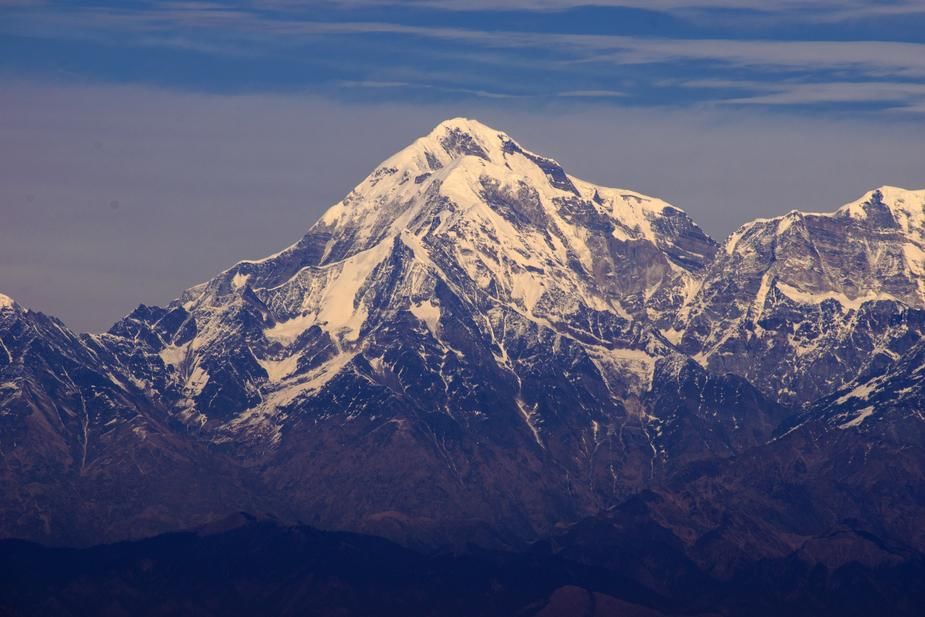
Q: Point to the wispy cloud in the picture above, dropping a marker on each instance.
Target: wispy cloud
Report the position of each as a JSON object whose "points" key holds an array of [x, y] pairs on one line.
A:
{"points": [[376, 85], [897, 57], [903, 58], [591, 93], [896, 96], [903, 95], [795, 9], [474, 58]]}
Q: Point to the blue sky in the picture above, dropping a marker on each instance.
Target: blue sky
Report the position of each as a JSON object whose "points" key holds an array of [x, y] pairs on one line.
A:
{"points": [[820, 55], [145, 146]]}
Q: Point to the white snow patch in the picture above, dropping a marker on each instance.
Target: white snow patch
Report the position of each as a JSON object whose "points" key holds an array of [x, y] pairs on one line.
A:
{"points": [[634, 366], [863, 414], [673, 335], [342, 319], [429, 313], [908, 207], [788, 220], [595, 430], [287, 331], [311, 382], [197, 381], [528, 288], [732, 242], [239, 280], [528, 415], [915, 258], [761, 297], [269, 257], [173, 355], [277, 370], [915, 261], [804, 297], [861, 392]]}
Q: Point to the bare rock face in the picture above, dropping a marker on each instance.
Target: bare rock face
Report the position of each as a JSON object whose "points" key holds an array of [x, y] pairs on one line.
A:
{"points": [[801, 304], [85, 454]]}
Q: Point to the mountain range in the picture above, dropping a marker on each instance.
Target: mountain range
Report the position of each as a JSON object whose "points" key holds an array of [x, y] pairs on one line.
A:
{"points": [[475, 348]]}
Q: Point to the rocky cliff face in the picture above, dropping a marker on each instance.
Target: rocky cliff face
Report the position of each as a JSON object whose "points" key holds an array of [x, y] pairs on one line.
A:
{"points": [[478, 328], [473, 344], [85, 453], [803, 303]]}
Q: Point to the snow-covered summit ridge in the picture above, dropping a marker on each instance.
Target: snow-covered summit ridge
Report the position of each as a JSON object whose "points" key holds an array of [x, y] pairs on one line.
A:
{"points": [[473, 189], [6, 302], [451, 163], [887, 206], [457, 138], [809, 290], [463, 224], [907, 208], [860, 250], [453, 160]]}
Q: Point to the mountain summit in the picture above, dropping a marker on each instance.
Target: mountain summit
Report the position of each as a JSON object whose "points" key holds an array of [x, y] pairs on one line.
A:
{"points": [[464, 228], [475, 345], [466, 185], [449, 309], [802, 303]]}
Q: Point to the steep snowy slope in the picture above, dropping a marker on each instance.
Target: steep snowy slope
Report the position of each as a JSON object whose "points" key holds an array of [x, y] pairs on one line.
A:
{"points": [[470, 310], [802, 303], [464, 212]]}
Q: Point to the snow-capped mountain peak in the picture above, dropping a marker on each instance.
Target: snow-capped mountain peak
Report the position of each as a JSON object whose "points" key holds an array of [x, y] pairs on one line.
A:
{"points": [[891, 205], [6, 302], [891, 221], [812, 288], [464, 226], [455, 161], [451, 139], [508, 217]]}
